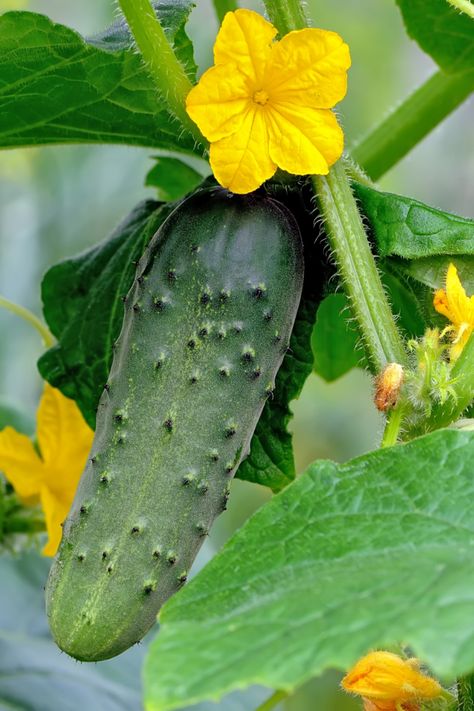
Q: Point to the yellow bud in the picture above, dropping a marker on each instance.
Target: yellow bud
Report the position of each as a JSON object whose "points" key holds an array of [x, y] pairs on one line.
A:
{"points": [[387, 682], [387, 387]]}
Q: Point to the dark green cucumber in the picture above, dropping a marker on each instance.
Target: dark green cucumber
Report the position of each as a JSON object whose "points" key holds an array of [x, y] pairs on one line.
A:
{"points": [[207, 323]]}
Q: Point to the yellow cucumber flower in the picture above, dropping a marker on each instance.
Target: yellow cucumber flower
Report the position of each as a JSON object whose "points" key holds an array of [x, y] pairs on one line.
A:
{"points": [[454, 303], [266, 104], [386, 682], [50, 476]]}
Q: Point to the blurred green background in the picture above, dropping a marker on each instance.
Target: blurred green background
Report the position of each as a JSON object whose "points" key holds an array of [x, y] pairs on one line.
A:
{"points": [[54, 202]]}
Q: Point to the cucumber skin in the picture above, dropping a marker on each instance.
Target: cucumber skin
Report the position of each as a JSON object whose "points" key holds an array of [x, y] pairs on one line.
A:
{"points": [[207, 323]]}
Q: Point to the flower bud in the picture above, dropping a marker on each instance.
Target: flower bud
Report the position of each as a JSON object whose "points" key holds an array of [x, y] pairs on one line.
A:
{"points": [[387, 387], [386, 682]]}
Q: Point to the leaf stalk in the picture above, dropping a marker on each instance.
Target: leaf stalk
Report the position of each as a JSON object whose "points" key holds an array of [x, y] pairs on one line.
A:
{"points": [[46, 335], [412, 121]]}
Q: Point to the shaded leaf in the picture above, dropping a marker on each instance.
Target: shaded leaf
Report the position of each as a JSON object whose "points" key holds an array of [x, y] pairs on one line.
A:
{"points": [[333, 340], [441, 31], [322, 578], [34, 674], [83, 308], [431, 271], [408, 299], [408, 228], [55, 87], [172, 178]]}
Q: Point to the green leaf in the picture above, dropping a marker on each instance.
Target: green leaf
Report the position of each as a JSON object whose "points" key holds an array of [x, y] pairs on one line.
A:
{"points": [[431, 271], [173, 16], [408, 228], [410, 301], [348, 558], [34, 674], [55, 87], [442, 31], [172, 178], [271, 461], [83, 308], [333, 340]]}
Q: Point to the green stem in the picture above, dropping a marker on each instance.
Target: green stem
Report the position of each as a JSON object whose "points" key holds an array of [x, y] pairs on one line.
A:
{"points": [[223, 6], [466, 693], [414, 119], [286, 15], [348, 240], [273, 701], [165, 69], [26, 315], [464, 6], [357, 269], [393, 425]]}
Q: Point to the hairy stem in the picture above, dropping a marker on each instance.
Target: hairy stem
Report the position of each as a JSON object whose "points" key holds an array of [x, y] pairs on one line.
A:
{"points": [[393, 425], [414, 119], [286, 15], [357, 269], [464, 6], [345, 231], [165, 69], [26, 315], [273, 701], [223, 6]]}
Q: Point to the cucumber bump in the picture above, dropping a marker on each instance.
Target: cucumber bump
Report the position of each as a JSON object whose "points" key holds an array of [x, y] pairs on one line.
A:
{"points": [[207, 323]]}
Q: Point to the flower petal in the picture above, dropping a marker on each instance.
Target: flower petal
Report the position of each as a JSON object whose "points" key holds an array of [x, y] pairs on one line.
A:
{"points": [[308, 68], [64, 439], [20, 463], [304, 141], [241, 162], [245, 38], [55, 511], [460, 305], [219, 102]]}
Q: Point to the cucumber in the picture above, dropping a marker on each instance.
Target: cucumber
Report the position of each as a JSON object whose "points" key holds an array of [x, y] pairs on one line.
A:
{"points": [[207, 323]]}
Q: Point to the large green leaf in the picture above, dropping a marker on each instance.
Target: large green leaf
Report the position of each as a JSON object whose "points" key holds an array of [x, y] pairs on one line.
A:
{"points": [[441, 31], [83, 308], [56, 87], [347, 558], [408, 228]]}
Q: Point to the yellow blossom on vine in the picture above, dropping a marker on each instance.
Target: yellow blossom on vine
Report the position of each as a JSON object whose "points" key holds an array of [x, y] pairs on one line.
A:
{"points": [[51, 474], [266, 104], [454, 303], [386, 682]]}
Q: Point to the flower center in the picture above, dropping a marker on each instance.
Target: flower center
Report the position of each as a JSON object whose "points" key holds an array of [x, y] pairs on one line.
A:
{"points": [[261, 97]]}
